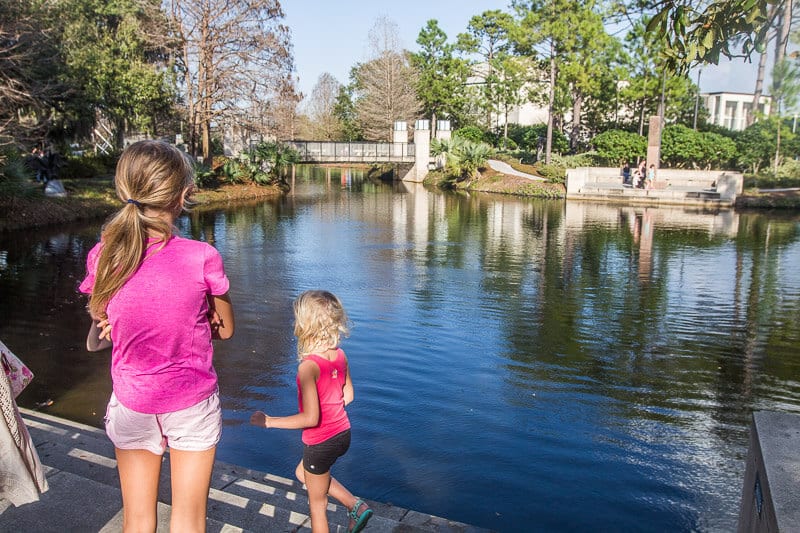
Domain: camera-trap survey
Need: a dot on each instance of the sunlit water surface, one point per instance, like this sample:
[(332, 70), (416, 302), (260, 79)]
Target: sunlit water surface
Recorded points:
[(518, 364)]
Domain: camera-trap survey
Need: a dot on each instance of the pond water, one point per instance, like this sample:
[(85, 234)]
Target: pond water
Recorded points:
[(518, 364)]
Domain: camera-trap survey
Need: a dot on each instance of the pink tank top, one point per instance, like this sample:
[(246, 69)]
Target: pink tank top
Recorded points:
[(332, 416)]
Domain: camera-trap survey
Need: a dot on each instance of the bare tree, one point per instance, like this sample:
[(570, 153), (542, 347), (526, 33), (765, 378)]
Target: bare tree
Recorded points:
[(324, 124), (236, 55), (28, 68), (385, 84), (281, 112)]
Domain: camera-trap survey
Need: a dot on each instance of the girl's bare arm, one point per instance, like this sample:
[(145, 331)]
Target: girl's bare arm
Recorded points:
[(348, 390), (308, 373), (220, 311)]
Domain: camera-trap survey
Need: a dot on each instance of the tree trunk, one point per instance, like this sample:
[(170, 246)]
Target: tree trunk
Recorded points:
[(576, 122), (505, 128), (641, 116), (662, 107), (204, 88), (782, 30), (778, 145), (551, 98), (762, 65), (206, 127)]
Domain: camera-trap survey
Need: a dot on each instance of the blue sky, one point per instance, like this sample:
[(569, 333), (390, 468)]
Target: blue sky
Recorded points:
[(331, 36)]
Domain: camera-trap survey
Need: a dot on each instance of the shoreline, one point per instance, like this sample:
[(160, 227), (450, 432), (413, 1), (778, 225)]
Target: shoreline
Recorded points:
[(94, 198)]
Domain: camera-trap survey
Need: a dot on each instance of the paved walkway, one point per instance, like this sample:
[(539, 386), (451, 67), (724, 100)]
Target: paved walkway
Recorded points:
[(84, 493), (505, 168)]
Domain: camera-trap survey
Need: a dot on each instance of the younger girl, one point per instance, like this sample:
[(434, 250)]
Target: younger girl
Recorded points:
[(324, 389), (160, 298)]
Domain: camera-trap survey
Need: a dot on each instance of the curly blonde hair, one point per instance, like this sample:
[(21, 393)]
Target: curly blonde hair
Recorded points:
[(320, 321)]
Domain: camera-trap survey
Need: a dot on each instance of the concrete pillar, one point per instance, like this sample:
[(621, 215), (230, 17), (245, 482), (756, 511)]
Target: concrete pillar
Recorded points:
[(728, 185), (653, 143), (770, 501), (443, 132), (422, 148), (576, 179), (399, 138)]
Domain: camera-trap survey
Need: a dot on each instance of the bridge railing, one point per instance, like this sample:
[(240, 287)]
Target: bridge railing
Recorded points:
[(353, 152)]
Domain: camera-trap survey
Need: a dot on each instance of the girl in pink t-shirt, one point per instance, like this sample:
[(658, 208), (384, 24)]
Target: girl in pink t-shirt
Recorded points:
[(324, 388), (160, 299)]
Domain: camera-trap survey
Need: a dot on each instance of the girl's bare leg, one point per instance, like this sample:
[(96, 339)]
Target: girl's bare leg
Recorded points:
[(191, 479), (138, 479), (336, 490), (317, 487)]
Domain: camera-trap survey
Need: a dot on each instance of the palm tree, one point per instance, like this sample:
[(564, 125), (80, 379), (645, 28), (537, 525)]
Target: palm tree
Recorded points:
[(462, 157)]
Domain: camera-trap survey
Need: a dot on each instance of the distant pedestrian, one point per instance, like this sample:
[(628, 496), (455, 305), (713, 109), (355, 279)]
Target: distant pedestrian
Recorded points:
[(636, 179), (324, 387), (651, 176), (159, 299), (626, 173)]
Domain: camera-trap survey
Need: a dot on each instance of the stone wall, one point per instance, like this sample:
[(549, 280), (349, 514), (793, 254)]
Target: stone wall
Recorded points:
[(728, 184)]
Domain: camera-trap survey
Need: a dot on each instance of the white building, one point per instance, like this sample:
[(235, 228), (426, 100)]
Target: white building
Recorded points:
[(526, 113), (732, 110)]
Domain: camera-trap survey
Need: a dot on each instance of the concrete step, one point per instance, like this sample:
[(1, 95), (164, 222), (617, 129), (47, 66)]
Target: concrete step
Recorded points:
[(84, 493)]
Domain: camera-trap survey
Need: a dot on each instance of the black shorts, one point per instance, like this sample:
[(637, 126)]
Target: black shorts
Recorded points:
[(319, 458)]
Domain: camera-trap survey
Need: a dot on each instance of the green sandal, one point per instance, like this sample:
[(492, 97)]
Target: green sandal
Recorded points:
[(358, 521)]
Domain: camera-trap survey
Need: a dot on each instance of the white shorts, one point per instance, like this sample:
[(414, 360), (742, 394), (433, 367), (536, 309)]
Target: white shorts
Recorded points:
[(194, 429)]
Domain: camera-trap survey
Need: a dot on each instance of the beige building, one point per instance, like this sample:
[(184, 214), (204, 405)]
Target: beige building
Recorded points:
[(733, 110)]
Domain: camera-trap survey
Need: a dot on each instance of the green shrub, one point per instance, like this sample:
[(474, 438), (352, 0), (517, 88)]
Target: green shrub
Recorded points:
[(471, 133), (15, 176), (262, 164), (552, 173), (615, 147), (462, 157), (756, 145), (88, 166), (509, 144), (536, 136), (788, 176), (204, 175), (683, 147), (586, 159), (790, 170)]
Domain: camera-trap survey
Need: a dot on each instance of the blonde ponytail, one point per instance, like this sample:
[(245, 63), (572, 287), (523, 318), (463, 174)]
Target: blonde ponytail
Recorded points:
[(151, 176)]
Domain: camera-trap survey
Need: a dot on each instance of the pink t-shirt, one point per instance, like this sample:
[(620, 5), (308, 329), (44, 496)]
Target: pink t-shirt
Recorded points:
[(162, 352), (330, 390)]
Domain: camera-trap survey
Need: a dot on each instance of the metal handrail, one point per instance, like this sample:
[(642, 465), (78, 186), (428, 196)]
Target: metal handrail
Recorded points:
[(352, 151)]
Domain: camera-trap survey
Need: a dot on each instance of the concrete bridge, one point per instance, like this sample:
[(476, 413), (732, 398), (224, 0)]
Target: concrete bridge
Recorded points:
[(400, 151), (353, 152)]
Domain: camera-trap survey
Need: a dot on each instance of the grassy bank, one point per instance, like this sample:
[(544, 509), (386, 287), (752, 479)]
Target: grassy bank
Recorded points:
[(94, 198), (758, 199), (495, 182)]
